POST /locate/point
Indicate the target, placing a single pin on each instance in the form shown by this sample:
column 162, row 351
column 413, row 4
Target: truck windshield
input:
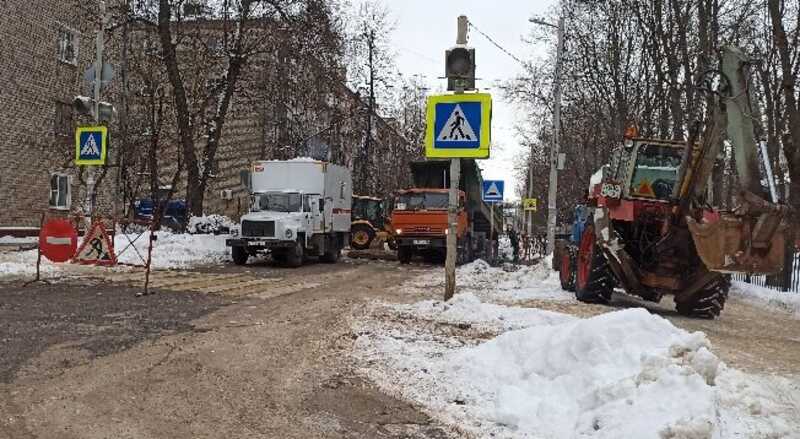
column 421, row 200
column 278, row 202
column 656, row 171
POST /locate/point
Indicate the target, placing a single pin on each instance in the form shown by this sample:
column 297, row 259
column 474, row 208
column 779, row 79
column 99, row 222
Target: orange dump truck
column 420, row 214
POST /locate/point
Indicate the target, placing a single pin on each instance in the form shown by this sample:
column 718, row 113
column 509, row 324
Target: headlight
column 399, row 231
column 447, row 231
column 288, row 233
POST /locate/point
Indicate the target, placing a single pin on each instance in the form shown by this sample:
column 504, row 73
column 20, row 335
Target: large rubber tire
column 594, row 280
column 361, row 236
column 709, row 302
column 404, row 254
column 331, row 256
column 567, row 268
column 295, row 255
column 239, row 255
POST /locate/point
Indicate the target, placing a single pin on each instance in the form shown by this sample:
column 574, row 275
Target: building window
column 63, row 124
column 68, row 42
column 60, row 196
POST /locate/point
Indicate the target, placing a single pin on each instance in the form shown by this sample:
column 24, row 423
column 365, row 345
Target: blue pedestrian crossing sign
column 91, row 145
column 459, row 126
column 493, row 191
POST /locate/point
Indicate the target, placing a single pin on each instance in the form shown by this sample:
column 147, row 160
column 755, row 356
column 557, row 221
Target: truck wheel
column 331, row 255
column 594, row 281
column 295, row 255
column 239, row 255
column 361, row 236
column 566, row 269
column 404, row 254
column 708, row 302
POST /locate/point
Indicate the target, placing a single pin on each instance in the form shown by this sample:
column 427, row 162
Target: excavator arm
column 750, row 238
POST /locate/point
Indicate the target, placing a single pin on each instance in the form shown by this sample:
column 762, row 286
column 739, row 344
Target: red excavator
column 652, row 231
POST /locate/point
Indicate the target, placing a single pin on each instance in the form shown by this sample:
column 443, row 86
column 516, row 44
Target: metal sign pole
column 91, row 196
column 455, row 176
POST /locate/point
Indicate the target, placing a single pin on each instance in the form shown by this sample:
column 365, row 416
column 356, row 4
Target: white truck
column 299, row 208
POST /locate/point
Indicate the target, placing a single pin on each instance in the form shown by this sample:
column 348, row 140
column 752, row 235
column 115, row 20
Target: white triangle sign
column 90, row 147
column 493, row 191
column 457, row 128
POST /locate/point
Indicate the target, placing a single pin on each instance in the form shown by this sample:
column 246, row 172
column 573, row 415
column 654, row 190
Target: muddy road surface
column 253, row 352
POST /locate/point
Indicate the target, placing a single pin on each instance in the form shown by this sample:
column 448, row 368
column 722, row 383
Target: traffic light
column 460, row 67
column 84, row 105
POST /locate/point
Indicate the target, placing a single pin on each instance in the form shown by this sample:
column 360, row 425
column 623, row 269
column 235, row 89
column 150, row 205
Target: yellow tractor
column 370, row 221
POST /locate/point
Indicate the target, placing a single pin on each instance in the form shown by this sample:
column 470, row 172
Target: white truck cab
column 299, row 208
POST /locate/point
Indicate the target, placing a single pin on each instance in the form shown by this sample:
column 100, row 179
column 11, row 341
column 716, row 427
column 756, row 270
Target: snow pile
column 171, row 250
column 497, row 285
column 206, row 224
column 622, row 374
column 466, row 308
column 765, row 297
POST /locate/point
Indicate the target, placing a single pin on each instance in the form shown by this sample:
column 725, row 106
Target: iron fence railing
column 783, row 281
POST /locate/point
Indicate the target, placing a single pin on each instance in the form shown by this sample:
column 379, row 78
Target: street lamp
column 552, row 212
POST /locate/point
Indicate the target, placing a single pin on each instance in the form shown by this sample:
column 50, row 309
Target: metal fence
column 782, row 281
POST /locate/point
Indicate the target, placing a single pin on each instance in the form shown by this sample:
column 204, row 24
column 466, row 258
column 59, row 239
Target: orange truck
column 420, row 214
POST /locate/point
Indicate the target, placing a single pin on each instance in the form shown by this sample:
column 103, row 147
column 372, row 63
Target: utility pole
column 552, row 211
column 370, row 109
column 123, row 114
column 455, row 177
column 91, row 195
column 552, row 193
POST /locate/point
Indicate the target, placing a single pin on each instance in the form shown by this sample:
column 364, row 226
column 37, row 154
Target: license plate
column 421, row 242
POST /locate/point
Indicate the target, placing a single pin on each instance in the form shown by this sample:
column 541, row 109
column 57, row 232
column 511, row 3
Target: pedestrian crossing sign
column 91, row 145
column 459, row 126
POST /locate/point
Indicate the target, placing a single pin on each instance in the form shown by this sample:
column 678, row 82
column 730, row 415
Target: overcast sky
column 425, row 28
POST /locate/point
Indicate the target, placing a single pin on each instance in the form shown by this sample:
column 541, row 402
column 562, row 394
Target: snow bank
column 622, row 374
column 497, row 285
column 765, row 297
column 466, row 308
column 172, row 250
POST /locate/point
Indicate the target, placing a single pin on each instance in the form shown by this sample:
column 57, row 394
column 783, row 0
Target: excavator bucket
column 749, row 240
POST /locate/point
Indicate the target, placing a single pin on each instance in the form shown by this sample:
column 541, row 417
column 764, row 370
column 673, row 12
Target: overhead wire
column 496, row 44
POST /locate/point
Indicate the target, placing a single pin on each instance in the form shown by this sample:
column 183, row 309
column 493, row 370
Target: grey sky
column 425, row 28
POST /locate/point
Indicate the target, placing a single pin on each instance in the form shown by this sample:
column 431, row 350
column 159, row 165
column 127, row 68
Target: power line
column 497, row 45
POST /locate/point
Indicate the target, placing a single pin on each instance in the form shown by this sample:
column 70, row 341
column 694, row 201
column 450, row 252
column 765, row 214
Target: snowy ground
column 767, row 298
column 494, row 370
column 171, row 251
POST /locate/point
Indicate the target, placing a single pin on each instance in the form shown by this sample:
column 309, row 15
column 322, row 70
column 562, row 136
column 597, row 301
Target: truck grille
column 258, row 228
column 424, row 230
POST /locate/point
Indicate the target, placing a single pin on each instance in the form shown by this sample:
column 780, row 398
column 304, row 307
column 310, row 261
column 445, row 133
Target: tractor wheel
column 361, row 236
column 708, row 302
column 239, row 255
column 594, row 281
column 404, row 254
column 566, row 271
column 295, row 255
column 331, row 256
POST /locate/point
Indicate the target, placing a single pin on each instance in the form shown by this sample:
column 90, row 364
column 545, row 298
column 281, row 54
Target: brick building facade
column 46, row 45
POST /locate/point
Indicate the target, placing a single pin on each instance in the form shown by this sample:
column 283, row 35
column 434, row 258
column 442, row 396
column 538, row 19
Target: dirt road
column 88, row 360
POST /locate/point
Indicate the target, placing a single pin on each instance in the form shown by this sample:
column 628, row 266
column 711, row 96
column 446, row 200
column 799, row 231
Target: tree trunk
column 789, row 79
column 185, row 132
